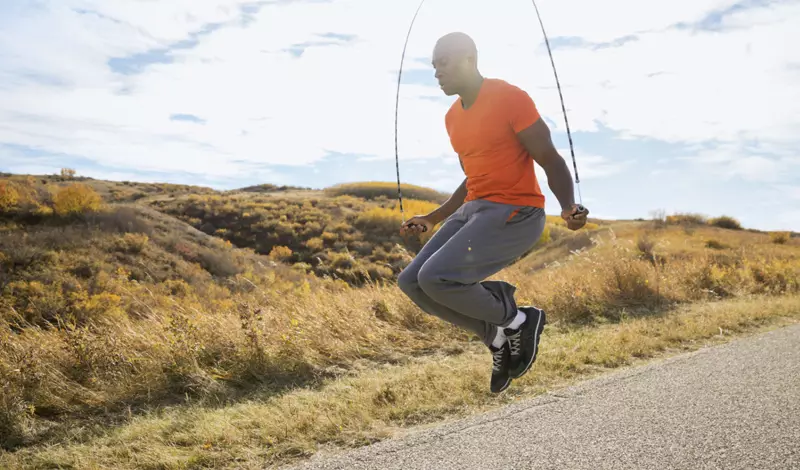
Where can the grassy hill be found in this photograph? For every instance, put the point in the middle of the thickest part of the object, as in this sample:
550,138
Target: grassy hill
192,328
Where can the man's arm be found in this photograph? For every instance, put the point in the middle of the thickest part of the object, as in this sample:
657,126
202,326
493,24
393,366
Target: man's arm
450,206
536,139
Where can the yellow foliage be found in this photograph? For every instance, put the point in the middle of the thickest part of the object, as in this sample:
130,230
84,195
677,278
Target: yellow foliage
545,238
315,244
280,253
98,305
76,198
9,196
132,242
389,218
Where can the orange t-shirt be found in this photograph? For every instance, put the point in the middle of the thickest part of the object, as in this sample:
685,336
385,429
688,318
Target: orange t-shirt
497,165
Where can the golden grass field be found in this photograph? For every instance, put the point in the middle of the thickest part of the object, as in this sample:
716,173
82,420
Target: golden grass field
199,329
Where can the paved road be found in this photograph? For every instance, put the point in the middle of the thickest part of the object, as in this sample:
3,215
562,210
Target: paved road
730,407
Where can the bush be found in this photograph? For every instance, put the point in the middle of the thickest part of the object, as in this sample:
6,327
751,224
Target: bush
315,244
280,253
686,219
217,264
9,197
76,199
122,220
132,242
715,245
780,238
646,247
725,222
376,190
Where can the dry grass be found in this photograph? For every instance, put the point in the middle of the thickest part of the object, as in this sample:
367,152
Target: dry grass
106,319
364,406
131,343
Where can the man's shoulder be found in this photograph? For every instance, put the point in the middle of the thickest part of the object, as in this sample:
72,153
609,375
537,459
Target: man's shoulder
498,85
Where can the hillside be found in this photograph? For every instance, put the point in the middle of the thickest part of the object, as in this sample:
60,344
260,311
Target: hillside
193,327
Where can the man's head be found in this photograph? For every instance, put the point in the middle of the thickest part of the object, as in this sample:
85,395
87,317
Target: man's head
455,59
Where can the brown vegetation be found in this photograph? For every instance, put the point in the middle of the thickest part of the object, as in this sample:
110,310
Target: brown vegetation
376,189
121,308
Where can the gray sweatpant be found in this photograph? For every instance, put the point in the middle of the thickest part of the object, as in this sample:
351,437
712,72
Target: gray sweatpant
447,277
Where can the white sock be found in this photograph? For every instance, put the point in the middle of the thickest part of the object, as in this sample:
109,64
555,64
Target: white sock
518,320
499,339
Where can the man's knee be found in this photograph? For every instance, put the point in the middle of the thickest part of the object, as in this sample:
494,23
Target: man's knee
407,280
429,279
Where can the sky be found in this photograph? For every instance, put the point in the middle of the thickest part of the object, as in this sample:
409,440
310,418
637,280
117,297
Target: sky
681,106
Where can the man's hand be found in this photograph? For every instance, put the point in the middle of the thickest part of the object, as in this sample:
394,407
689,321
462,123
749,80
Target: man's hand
416,225
575,216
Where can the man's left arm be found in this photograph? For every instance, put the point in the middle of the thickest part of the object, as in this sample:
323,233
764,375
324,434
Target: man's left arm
534,134
537,141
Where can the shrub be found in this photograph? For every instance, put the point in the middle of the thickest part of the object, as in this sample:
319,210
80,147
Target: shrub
375,190
280,253
315,244
9,197
715,245
329,237
76,199
132,242
686,219
217,264
726,222
780,238
122,220
646,247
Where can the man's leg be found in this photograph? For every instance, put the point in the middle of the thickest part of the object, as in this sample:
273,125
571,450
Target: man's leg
481,239
409,284
453,276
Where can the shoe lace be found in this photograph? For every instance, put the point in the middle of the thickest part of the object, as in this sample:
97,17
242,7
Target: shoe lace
497,360
515,342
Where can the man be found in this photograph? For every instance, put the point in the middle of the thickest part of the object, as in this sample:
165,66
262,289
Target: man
495,216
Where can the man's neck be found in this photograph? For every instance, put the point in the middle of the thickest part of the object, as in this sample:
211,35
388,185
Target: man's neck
469,95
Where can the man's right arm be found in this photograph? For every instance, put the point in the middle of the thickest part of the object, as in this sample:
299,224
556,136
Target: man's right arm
450,206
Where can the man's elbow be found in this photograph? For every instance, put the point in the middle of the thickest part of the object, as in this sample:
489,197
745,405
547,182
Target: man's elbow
552,162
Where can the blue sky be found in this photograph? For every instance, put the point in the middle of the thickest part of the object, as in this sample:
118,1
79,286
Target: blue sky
681,107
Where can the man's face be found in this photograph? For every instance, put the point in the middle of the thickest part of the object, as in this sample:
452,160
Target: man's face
451,69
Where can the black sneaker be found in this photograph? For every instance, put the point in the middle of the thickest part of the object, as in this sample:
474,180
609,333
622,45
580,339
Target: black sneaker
524,342
500,363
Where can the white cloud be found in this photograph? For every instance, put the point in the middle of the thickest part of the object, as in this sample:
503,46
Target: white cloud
263,105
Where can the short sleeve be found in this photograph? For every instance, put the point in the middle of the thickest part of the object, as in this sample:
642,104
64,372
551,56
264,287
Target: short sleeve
522,112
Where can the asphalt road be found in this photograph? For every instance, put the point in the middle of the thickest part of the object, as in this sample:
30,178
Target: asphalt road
731,407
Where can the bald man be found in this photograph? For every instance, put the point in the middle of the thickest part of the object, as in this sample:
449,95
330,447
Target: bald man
494,217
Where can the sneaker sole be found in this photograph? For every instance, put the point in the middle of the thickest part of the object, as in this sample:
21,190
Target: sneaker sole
504,387
541,321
